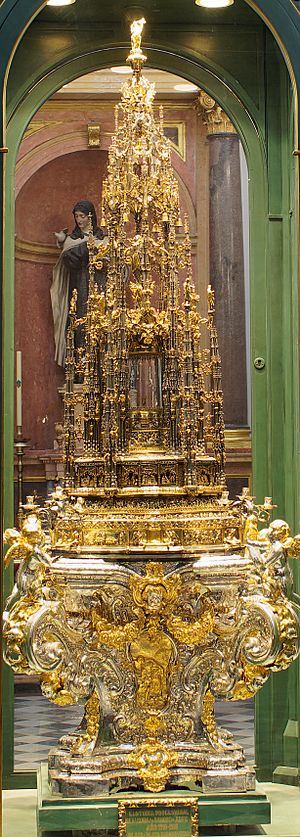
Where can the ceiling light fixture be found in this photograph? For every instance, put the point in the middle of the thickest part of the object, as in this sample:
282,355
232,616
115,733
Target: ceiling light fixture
214,4
60,2
185,87
121,70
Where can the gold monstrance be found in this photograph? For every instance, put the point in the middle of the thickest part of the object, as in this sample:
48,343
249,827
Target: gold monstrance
152,432
143,591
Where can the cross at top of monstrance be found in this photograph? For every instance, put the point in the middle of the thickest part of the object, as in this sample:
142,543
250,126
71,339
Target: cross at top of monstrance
150,444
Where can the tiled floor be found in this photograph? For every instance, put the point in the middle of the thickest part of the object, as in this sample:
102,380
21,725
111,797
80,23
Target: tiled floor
238,718
39,724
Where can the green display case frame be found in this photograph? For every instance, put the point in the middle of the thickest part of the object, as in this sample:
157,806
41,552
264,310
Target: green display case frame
265,112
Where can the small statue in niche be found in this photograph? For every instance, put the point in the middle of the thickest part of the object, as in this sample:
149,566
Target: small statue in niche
58,442
71,273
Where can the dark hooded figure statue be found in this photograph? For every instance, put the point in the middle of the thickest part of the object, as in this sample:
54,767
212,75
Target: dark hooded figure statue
71,273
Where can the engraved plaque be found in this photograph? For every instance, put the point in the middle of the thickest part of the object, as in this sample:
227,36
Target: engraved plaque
155,817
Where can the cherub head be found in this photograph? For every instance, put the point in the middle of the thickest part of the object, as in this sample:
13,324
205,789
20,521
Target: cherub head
279,530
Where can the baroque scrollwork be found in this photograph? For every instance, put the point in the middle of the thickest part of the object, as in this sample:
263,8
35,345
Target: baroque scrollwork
169,639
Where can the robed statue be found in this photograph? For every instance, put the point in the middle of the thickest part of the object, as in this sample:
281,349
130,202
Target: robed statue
71,273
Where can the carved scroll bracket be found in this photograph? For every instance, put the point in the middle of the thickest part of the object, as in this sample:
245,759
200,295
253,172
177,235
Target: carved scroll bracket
212,115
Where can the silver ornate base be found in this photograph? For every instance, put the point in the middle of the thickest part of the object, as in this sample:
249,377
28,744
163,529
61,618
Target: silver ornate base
109,771
146,647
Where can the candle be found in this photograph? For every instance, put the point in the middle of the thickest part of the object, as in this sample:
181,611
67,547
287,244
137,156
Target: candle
19,388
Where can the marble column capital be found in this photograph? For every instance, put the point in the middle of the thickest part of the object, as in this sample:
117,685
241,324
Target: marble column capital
212,115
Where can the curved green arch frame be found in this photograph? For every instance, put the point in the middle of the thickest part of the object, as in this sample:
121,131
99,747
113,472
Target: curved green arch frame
282,17
159,54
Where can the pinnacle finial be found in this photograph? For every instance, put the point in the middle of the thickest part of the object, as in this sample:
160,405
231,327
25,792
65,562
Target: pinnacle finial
136,56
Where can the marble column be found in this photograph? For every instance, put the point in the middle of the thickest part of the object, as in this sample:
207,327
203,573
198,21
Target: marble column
227,257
